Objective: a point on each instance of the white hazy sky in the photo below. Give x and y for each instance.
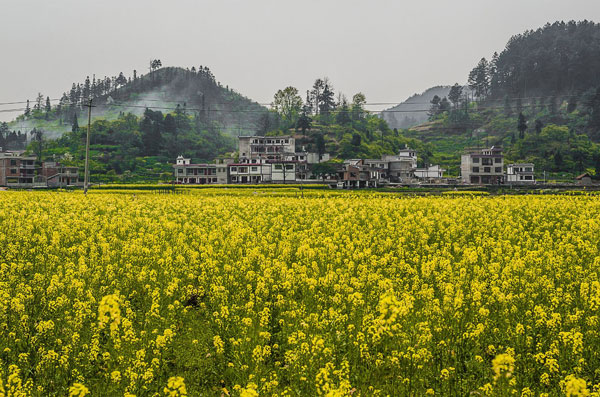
(386, 49)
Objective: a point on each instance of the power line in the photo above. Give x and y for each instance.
(269, 104)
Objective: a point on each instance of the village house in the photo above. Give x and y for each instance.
(265, 147)
(431, 173)
(584, 179)
(17, 170)
(255, 171)
(520, 173)
(20, 171)
(356, 173)
(200, 174)
(59, 175)
(401, 167)
(482, 166)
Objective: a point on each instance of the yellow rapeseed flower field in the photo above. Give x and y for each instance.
(254, 293)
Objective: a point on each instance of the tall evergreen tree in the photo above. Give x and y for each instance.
(86, 90)
(327, 103)
(479, 80)
(48, 107)
(75, 123)
(315, 101)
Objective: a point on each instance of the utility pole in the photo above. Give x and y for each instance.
(86, 177)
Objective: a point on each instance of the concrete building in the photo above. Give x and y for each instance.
(58, 175)
(20, 171)
(520, 173)
(246, 172)
(265, 147)
(430, 173)
(355, 173)
(283, 171)
(482, 166)
(194, 174)
(401, 167)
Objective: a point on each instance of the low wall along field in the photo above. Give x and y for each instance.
(243, 293)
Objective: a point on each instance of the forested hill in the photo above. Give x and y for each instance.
(539, 99)
(556, 59)
(409, 113)
(195, 91)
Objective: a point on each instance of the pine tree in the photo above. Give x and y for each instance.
(48, 107)
(73, 96)
(39, 102)
(304, 121)
(74, 124)
(327, 104)
(315, 100)
(86, 90)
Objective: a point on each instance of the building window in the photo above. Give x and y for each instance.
(13, 162)
(497, 160)
(487, 169)
(476, 160)
(289, 167)
(278, 167)
(498, 169)
(233, 169)
(475, 169)
(234, 179)
(528, 177)
(528, 169)
(180, 170)
(287, 141)
(254, 168)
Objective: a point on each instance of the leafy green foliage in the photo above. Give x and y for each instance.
(133, 148)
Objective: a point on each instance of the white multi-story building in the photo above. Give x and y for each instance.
(266, 147)
(520, 173)
(431, 172)
(188, 173)
(283, 171)
(249, 172)
(482, 166)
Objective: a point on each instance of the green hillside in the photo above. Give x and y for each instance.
(539, 99)
(165, 89)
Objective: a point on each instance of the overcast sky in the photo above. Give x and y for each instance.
(386, 49)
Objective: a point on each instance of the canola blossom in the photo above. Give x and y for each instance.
(242, 292)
